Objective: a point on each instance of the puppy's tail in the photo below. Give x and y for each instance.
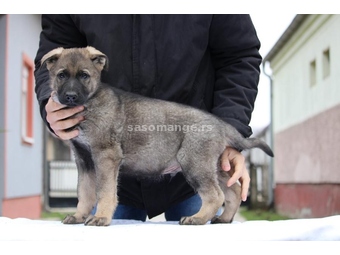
(250, 143)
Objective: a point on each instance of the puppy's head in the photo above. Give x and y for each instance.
(74, 73)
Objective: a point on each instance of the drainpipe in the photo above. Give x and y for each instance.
(271, 183)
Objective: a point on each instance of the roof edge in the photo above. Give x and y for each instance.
(287, 34)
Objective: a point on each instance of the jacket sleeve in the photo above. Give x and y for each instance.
(235, 54)
(57, 31)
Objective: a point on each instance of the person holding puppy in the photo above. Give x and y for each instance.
(210, 62)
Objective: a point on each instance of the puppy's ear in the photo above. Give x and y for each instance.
(98, 58)
(51, 57)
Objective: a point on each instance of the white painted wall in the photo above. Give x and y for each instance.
(2, 104)
(295, 100)
(24, 163)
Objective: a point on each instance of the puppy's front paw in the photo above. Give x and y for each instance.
(191, 221)
(97, 221)
(73, 219)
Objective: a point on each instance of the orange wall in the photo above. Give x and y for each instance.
(307, 200)
(24, 207)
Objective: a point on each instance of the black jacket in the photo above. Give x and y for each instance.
(207, 61)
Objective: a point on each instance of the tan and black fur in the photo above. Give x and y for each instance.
(109, 142)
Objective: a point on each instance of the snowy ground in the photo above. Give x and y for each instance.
(300, 229)
(238, 217)
(24, 236)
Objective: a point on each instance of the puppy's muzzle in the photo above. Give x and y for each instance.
(71, 97)
(73, 93)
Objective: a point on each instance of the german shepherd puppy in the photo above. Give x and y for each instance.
(138, 135)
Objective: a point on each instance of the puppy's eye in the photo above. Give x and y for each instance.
(61, 75)
(84, 76)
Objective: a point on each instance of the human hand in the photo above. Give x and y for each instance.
(233, 161)
(62, 118)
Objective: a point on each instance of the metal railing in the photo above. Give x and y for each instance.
(62, 179)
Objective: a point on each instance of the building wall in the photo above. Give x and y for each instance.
(23, 169)
(308, 201)
(307, 120)
(2, 103)
(307, 167)
(295, 100)
(309, 152)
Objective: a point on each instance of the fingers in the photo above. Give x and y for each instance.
(232, 160)
(62, 118)
(225, 160)
(245, 181)
(63, 133)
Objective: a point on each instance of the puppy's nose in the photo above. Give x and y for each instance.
(71, 97)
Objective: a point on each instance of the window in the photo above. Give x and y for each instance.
(326, 63)
(27, 88)
(312, 73)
